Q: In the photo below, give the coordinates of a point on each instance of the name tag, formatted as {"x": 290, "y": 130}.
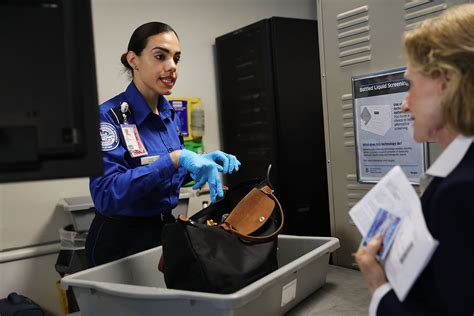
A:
{"x": 133, "y": 141}
{"x": 148, "y": 160}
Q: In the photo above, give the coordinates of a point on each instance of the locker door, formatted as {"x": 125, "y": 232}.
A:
{"x": 357, "y": 37}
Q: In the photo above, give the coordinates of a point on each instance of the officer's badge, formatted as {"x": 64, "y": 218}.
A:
{"x": 108, "y": 136}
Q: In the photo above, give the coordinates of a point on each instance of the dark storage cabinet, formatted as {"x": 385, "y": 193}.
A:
{"x": 271, "y": 112}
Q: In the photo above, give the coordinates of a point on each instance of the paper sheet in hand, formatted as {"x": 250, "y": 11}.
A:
{"x": 413, "y": 244}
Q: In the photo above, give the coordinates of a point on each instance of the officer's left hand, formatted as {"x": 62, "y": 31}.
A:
{"x": 228, "y": 162}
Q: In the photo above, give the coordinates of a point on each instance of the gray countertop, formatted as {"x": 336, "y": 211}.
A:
{"x": 345, "y": 293}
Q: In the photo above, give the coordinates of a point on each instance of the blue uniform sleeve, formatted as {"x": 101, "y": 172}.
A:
{"x": 121, "y": 185}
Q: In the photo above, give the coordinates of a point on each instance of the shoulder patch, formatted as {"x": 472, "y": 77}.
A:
{"x": 108, "y": 137}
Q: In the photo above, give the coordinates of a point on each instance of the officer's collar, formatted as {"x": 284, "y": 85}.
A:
{"x": 165, "y": 108}
{"x": 140, "y": 108}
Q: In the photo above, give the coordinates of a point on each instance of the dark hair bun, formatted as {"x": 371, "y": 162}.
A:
{"x": 124, "y": 61}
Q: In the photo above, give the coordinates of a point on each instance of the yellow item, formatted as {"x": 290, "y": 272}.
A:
{"x": 197, "y": 120}
{"x": 62, "y": 297}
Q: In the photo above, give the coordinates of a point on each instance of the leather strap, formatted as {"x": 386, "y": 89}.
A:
{"x": 246, "y": 206}
{"x": 243, "y": 220}
{"x": 251, "y": 212}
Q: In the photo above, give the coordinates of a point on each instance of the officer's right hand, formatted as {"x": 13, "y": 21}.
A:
{"x": 202, "y": 170}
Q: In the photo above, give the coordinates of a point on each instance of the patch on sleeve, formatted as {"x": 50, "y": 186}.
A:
{"x": 108, "y": 137}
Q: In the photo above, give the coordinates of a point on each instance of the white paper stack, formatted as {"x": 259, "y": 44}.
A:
{"x": 413, "y": 245}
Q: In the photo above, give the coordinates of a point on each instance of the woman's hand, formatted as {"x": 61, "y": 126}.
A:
{"x": 371, "y": 269}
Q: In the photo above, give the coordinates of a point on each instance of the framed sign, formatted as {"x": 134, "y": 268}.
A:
{"x": 383, "y": 133}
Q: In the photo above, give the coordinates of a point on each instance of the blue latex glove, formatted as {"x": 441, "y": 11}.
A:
{"x": 228, "y": 162}
{"x": 202, "y": 170}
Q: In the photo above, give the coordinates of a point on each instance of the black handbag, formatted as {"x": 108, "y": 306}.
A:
{"x": 18, "y": 305}
{"x": 227, "y": 245}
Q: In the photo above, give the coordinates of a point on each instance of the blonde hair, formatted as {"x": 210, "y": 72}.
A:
{"x": 445, "y": 45}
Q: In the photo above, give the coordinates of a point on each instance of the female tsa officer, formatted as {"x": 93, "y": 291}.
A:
{"x": 440, "y": 72}
{"x": 145, "y": 163}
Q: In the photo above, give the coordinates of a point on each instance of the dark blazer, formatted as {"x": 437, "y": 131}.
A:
{"x": 446, "y": 286}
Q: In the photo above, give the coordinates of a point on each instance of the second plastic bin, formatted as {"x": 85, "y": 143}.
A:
{"x": 81, "y": 210}
{"x": 71, "y": 239}
{"x": 134, "y": 286}
{"x": 71, "y": 259}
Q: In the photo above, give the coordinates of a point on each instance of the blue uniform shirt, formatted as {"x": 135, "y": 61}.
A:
{"x": 128, "y": 188}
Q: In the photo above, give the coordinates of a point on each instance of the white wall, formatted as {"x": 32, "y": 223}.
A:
{"x": 29, "y": 216}
{"x": 28, "y": 212}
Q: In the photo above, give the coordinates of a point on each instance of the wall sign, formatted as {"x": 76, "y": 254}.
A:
{"x": 383, "y": 133}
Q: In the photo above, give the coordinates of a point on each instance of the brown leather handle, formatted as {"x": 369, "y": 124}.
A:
{"x": 269, "y": 193}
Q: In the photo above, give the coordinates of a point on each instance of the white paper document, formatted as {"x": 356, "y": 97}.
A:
{"x": 413, "y": 244}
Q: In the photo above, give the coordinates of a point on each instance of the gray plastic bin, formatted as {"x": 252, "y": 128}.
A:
{"x": 71, "y": 239}
{"x": 134, "y": 286}
{"x": 82, "y": 211}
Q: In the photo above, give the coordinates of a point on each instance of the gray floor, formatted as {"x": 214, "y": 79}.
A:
{"x": 344, "y": 294}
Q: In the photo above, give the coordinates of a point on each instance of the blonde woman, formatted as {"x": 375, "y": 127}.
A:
{"x": 440, "y": 71}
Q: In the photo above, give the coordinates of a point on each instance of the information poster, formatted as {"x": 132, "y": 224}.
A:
{"x": 383, "y": 133}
